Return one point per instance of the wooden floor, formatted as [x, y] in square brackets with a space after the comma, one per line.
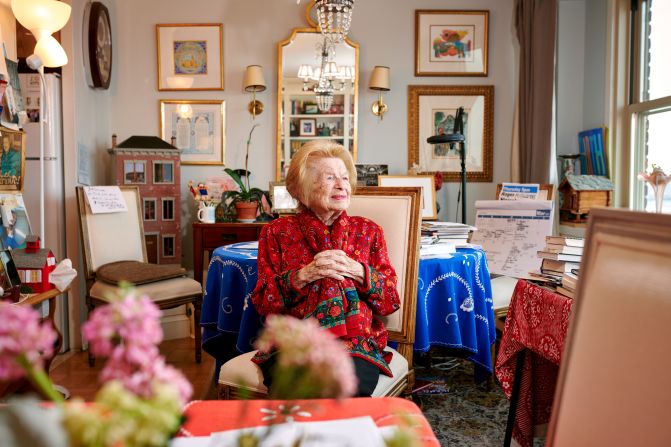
[72, 371]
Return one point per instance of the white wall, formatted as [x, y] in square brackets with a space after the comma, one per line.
[252, 28]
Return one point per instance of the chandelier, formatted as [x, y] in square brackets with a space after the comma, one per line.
[335, 18]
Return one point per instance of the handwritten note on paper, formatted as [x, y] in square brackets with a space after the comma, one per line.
[105, 199]
[511, 233]
[519, 191]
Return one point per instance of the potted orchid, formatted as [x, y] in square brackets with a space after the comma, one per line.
[141, 398]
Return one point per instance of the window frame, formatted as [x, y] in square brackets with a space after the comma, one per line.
[163, 162]
[165, 237]
[135, 164]
[163, 202]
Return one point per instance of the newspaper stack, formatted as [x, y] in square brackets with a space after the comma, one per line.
[442, 238]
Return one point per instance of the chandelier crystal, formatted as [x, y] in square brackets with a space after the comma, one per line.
[335, 18]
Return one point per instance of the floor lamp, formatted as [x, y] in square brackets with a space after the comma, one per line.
[456, 137]
[43, 18]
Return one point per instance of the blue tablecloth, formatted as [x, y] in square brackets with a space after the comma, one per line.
[454, 304]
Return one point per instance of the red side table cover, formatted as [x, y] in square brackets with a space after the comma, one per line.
[206, 417]
[537, 321]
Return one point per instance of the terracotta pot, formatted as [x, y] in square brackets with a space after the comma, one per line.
[246, 211]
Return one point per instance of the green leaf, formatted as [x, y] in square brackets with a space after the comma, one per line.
[236, 178]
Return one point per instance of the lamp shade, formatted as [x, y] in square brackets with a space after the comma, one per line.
[379, 80]
[41, 17]
[253, 80]
[51, 52]
[305, 71]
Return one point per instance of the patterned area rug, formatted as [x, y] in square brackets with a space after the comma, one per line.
[460, 412]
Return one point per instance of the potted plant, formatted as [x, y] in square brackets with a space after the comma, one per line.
[248, 200]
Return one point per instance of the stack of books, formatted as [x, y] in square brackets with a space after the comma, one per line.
[443, 237]
[561, 257]
[569, 282]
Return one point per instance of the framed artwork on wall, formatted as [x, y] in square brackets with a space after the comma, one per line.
[12, 159]
[431, 111]
[367, 174]
[429, 211]
[451, 43]
[198, 129]
[190, 56]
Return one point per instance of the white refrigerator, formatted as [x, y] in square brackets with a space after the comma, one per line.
[54, 202]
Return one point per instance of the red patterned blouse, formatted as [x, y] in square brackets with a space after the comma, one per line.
[346, 308]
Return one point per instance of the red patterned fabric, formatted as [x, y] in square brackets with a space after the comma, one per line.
[206, 417]
[537, 322]
[346, 308]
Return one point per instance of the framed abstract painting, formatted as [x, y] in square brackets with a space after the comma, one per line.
[432, 110]
[190, 56]
[451, 43]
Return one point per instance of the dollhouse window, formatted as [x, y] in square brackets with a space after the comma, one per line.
[168, 243]
[149, 209]
[163, 172]
[134, 171]
[168, 209]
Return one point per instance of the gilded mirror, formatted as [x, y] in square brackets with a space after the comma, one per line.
[303, 114]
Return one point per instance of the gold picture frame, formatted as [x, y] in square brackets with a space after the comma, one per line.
[190, 56]
[451, 43]
[426, 182]
[431, 110]
[198, 129]
[282, 201]
[12, 160]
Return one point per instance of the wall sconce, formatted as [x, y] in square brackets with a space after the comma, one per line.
[379, 81]
[254, 82]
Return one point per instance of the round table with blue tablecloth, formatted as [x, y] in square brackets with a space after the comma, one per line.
[454, 304]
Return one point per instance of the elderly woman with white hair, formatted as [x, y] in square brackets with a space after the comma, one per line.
[322, 263]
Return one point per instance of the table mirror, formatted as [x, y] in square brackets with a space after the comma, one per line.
[317, 92]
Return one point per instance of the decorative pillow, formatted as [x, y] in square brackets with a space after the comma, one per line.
[137, 272]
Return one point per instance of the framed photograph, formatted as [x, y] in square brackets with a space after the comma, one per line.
[14, 223]
[366, 175]
[198, 130]
[9, 276]
[307, 127]
[190, 56]
[431, 111]
[311, 109]
[282, 201]
[451, 43]
[12, 159]
[428, 190]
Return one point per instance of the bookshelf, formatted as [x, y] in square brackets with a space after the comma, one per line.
[301, 118]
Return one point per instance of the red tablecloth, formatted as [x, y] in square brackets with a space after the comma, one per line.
[537, 321]
[206, 417]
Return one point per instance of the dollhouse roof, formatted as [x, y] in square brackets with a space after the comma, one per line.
[37, 260]
[145, 142]
[587, 183]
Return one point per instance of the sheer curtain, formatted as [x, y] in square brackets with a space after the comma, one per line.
[536, 27]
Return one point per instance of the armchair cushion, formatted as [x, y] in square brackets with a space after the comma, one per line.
[158, 291]
[241, 370]
[137, 272]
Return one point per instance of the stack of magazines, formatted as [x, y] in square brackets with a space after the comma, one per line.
[443, 237]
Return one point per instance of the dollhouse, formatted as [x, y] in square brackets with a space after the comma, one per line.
[152, 165]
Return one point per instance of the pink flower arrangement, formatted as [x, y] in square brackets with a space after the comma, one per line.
[127, 332]
[311, 363]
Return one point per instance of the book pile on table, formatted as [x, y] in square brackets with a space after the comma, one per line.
[440, 238]
[561, 262]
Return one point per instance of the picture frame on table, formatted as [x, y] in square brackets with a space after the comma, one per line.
[367, 174]
[9, 275]
[432, 110]
[190, 56]
[198, 129]
[426, 182]
[307, 127]
[282, 201]
[14, 222]
[451, 42]
[12, 160]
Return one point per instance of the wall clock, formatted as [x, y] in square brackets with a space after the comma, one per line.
[97, 41]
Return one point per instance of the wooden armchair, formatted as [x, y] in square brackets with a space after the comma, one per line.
[116, 237]
[398, 212]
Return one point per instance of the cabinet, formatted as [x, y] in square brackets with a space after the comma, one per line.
[302, 121]
[208, 236]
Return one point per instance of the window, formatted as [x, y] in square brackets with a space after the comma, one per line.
[650, 98]
[149, 209]
[163, 172]
[168, 209]
[168, 243]
[133, 171]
